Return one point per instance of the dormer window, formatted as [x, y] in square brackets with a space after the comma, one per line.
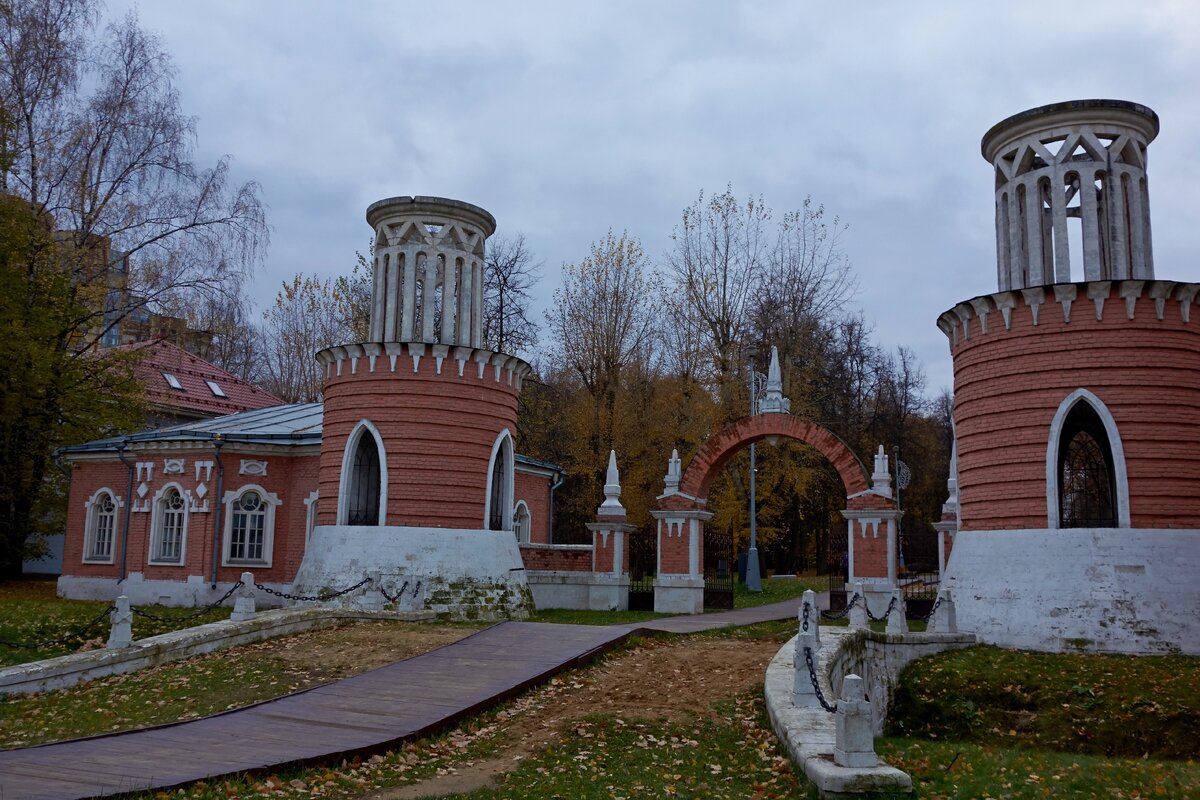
[172, 381]
[216, 389]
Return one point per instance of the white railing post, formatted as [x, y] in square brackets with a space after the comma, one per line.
[245, 600]
[854, 742]
[858, 613]
[896, 622]
[804, 694]
[121, 634]
[809, 602]
[944, 619]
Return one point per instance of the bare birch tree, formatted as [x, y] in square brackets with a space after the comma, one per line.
[509, 273]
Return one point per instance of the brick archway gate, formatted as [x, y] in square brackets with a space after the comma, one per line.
[870, 511]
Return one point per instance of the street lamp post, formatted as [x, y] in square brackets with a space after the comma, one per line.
[753, 578]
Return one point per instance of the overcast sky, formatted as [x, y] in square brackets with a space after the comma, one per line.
[565, 119]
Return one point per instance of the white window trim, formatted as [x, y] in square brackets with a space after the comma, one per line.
[507, 490]
[1114, 442]
[272, 500]
[156, 518]
[89, 525]
[360, 430]
[310, 514]
[523, 537]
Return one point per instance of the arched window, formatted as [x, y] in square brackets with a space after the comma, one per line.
[1086, 484]
[498, 512]
[521, 521]
[249, 526]
[363, 498]
[1087, 496]
[169, 526]
[101, 527]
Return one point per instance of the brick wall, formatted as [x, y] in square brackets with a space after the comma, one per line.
[291, 478]
[438, 431]
[562, 558]
[535, 491]
[1009, 384]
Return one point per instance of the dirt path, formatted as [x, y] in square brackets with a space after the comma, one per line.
[659, 680]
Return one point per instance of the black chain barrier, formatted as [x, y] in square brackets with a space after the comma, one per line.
[932, 610]
[842, 614]
[812, 674]
[393, 598]
[75, 634]
[886, 614]
[192, 615]
[318, 598]
[804, 619]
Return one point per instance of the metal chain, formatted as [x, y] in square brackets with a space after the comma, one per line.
[393, 598]
[62, 639]
[183, 617]
[842, 614]
[886, 614]
[804, 619]
[310, 598]
[812, 674]
[932, 610]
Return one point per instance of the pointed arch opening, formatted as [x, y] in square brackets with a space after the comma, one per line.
[498, 507]
[362, 499]
[1086, 483]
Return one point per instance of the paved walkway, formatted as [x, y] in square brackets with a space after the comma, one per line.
[365, 714]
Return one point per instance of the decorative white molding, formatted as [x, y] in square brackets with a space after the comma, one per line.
[173, 466]
[201, 490]
[250, 466]
[272, 501]
[1097, 292]
[502, 447]
[1034, 299]
[145, 468]
[1120, 477]
[156, 521]
[206, 467]
[1065, 294]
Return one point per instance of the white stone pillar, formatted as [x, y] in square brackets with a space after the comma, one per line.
[121, 633]
[896, 622]
[428, 294]
[944, 619]
[465, 321]
[244, 602]
[1058, 216]
[808, 610]
[858, 612]
[409, 291]
[804, 694]
[449, 304]
[854, 742]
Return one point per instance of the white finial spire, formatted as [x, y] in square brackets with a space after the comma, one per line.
[674, 474]
[612, 488]
[773, 401]
[881, 480]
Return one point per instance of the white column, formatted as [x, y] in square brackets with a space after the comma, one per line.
[465, 304]
[429, 292]
[1016, 258]
[1033, 232]
[477, 302]
[378, 301]
[391, 287]
[409, 289]
[449, 306]
[1089, 208]
[1119, 268]
[1058, 214]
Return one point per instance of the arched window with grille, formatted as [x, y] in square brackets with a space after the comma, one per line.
[1085, 467]
[498, 515]
[169, 526]
[249, 526]
[363, 496]
[100, 527]
[521, 520]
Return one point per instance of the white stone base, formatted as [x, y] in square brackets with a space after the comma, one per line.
[1122, 590]
[578, 590]
[192, 592]
[679, 594]
[463, 574]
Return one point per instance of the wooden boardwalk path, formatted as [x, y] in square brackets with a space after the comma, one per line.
[368, 713]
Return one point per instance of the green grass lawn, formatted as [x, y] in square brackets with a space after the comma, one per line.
[30, 613]
[775, 590]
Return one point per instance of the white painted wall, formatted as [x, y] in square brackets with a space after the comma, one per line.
[1124, 590]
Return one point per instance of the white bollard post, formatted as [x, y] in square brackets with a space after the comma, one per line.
[804, 694]
[809, 603]
[896, 622]
[854, 745]
[858, 614]
[244, 601]
[121, 634]
[944, 619]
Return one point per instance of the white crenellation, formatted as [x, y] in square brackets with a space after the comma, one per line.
[955, 323]
[506, 369]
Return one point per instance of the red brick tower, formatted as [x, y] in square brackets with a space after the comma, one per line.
[417, 441]
[1077, 399]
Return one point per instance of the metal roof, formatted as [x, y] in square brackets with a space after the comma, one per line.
[296, 424]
